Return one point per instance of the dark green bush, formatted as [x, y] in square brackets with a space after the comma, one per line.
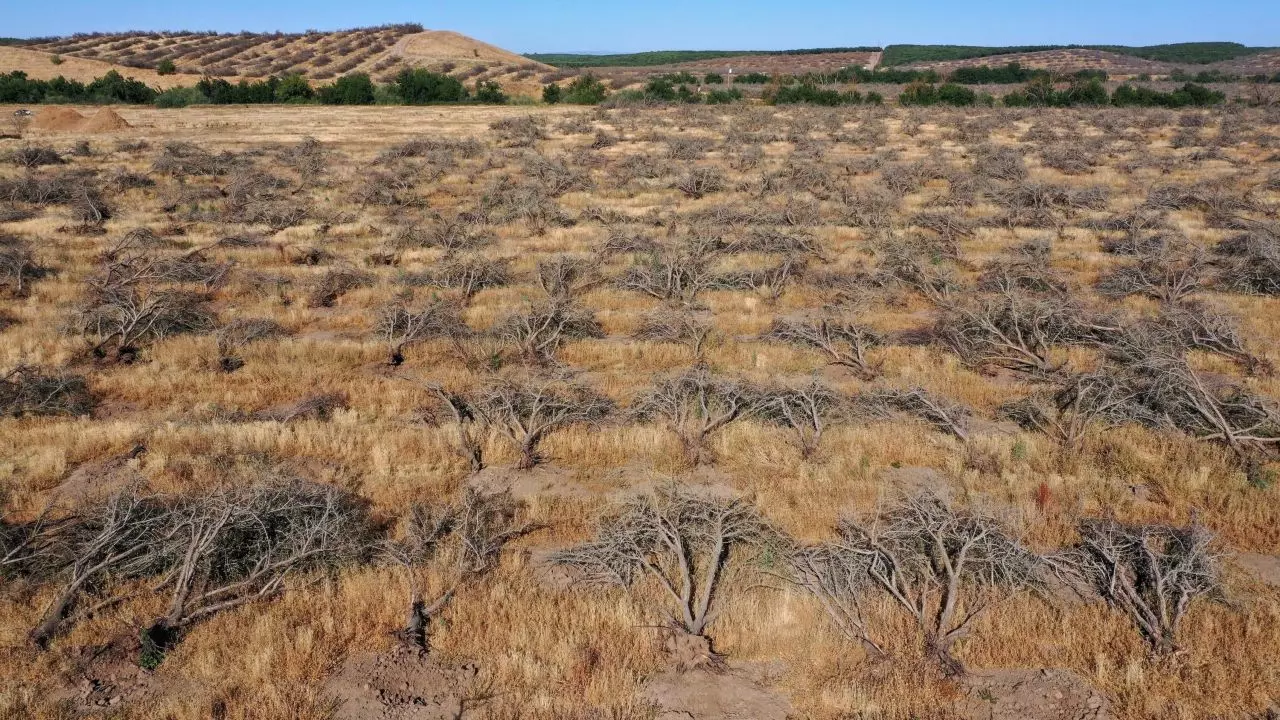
[551, 94]
[490, 93]
[753, 78]
[180, 97]
[713, 79]
[586, 90]
[353, 89]
[419, 86]
[166, 67]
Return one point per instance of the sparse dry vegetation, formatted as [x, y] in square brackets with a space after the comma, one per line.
[881, 398]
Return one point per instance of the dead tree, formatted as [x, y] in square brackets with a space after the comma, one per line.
[1169, 274]
[538, 332]
[335, 283]
[1011, 330]
[18, 266]
[31, 391]
[233, 547]
[111, 542]
[528, 410]
[1152, 573]
[469, 425]
[1201, 327]
[805, 410]
[918, 263]
[466, 274]
[563, 277]
[675, 272]
[838, 574]
[843, 341]
[237, 334]
[940, 565]
[125, 319]
[682, 540]
[695, 405]
[402, 327]
[944, 415]
[33, 549]
[700, 182]
[461, 542]
[1075, 404]
[694, 330]
[1250, 262]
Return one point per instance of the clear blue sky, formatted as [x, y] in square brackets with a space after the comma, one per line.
[581, 25]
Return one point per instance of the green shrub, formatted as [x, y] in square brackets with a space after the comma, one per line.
[753, 78]
[490, 93]
[660, 89]
[551, 94]
[713, 79]
[293, 88]
[180, 97]
[353, 89]
[586, 90]
[419, 86]
[723, 97]
[55, 59]
[166, 67]
[957, 95]
[813, 95]
[113, 87]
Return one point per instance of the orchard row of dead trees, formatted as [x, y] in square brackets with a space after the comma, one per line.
[211, 551]
[939, 565]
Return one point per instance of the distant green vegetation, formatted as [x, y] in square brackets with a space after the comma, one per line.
[1186, 53]
[12, 41]
[667, 57]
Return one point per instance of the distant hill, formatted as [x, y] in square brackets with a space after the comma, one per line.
[1202, 53]
[380, 51]
[672, 57]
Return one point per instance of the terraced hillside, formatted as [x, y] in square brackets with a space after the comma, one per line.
[1060, 61]
[380, 51]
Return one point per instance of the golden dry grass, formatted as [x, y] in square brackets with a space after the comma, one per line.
[554, 653]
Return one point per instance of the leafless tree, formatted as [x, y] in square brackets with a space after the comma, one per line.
[677, 271]
[127, 318]
[845, 342]
[469, 424]
[918, 263]
[468, 274]
[695, 330]
[34, 548]
[32, 391]
[695, 405]
[1170, 274]
[529, 409]
[401, 326]
[771, 281]
[232, 547]
[540, 330]
[943, 414]
[1070, 408]
[1014, 330]
[1152, 573]
[1199, 326]
[1168, 391]
[563, 276]
[112, 541]
[838, 574]
[461, 541]
[700, 182]
[18, 266]
[334, 284]
[941, 565]
[1250, 262]
[775, 241]
[806, 410]
[682, 540]
[241, 332]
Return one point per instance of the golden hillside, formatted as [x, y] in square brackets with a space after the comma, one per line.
[382, 52]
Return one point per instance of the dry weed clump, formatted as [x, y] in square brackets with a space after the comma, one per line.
[270, 403]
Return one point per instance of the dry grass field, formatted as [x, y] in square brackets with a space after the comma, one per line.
[1033, 319]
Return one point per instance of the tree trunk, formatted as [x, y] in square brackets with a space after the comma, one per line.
[52, 619]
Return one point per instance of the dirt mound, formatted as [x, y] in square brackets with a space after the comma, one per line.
[402, 684]
[703, 695]
[1022, 694]
[107, 120]
[58, 119]
[97, 479]
[108, 676]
